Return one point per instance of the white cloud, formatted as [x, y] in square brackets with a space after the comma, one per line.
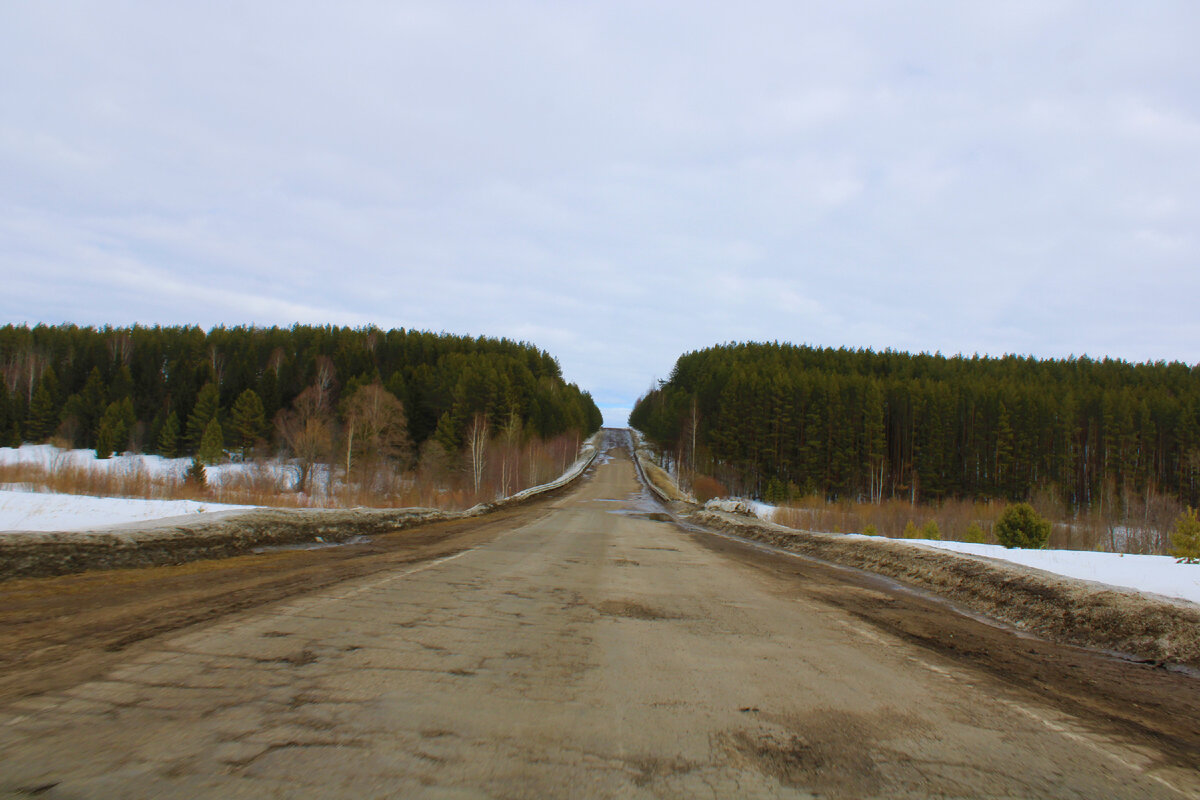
[617, 183]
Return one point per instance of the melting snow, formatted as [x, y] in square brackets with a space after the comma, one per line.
[37, 511]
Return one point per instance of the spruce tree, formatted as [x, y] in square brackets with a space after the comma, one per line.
[249, 423]
[168, 438]
[204, 411]
[212, 444]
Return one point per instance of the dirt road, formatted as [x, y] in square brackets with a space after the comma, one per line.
[583, 647]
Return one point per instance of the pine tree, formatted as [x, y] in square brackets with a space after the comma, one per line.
[196, 474]
[122, 384]
[43, 417]
[6, 418]
[115, 426]
[1021, 526]
[168, 438]
[93, 401]
[1185, 538]
[212, 444]
[205, 410]
[248, 420]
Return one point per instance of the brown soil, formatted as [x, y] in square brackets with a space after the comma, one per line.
[1143, 700]
[55, 632]
[1063, 609]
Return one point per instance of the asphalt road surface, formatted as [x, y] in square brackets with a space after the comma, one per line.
[584, 647]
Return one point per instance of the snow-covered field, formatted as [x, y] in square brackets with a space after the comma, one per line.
[31, 510]
[1150, 574]
[51, 458]
[37, 511]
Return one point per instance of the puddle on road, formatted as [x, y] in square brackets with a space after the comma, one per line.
[653, 516]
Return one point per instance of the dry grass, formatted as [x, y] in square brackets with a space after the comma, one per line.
[265, 483]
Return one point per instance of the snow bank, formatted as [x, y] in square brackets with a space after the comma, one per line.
[1158, 575]
[50, 458]
[35, 511]
[739, 505]
[1147, 574]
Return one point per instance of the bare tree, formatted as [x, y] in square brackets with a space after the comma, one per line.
[120, 347]
[326, 378]
[307, 430]
[276, 360]
[477, 439]
[376, 433]
[218, 364]
[510, 464]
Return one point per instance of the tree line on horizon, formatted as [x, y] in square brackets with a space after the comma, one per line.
[180, 391]
[778, 421]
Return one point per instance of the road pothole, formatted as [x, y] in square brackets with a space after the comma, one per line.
[626, 608]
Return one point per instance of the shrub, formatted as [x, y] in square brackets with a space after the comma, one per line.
[1021, 526]
[974, 534]
[196, 474]
[910, 531]
[705, 488]
[1185, 538]
[870, 530]
[930, 530]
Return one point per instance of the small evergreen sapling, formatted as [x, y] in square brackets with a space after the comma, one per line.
[930, 530]
[196, 474]
[1185, 538]
[910, 531]
[974, 534]
[1021, 526]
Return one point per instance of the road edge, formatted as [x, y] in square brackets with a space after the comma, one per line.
[1054, 607]
[231, 533]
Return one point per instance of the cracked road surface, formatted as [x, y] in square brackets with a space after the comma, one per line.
[586, 649]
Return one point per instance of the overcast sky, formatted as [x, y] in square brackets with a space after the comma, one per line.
[616, 182]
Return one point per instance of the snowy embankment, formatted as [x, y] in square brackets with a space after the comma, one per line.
[1157, 575]
[43, 511]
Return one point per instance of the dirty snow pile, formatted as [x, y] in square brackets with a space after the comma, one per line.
[743, 506]
[1150, 574]
[38, 511]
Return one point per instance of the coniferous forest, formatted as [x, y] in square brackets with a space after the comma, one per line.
[175, 390]
[777, 421]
